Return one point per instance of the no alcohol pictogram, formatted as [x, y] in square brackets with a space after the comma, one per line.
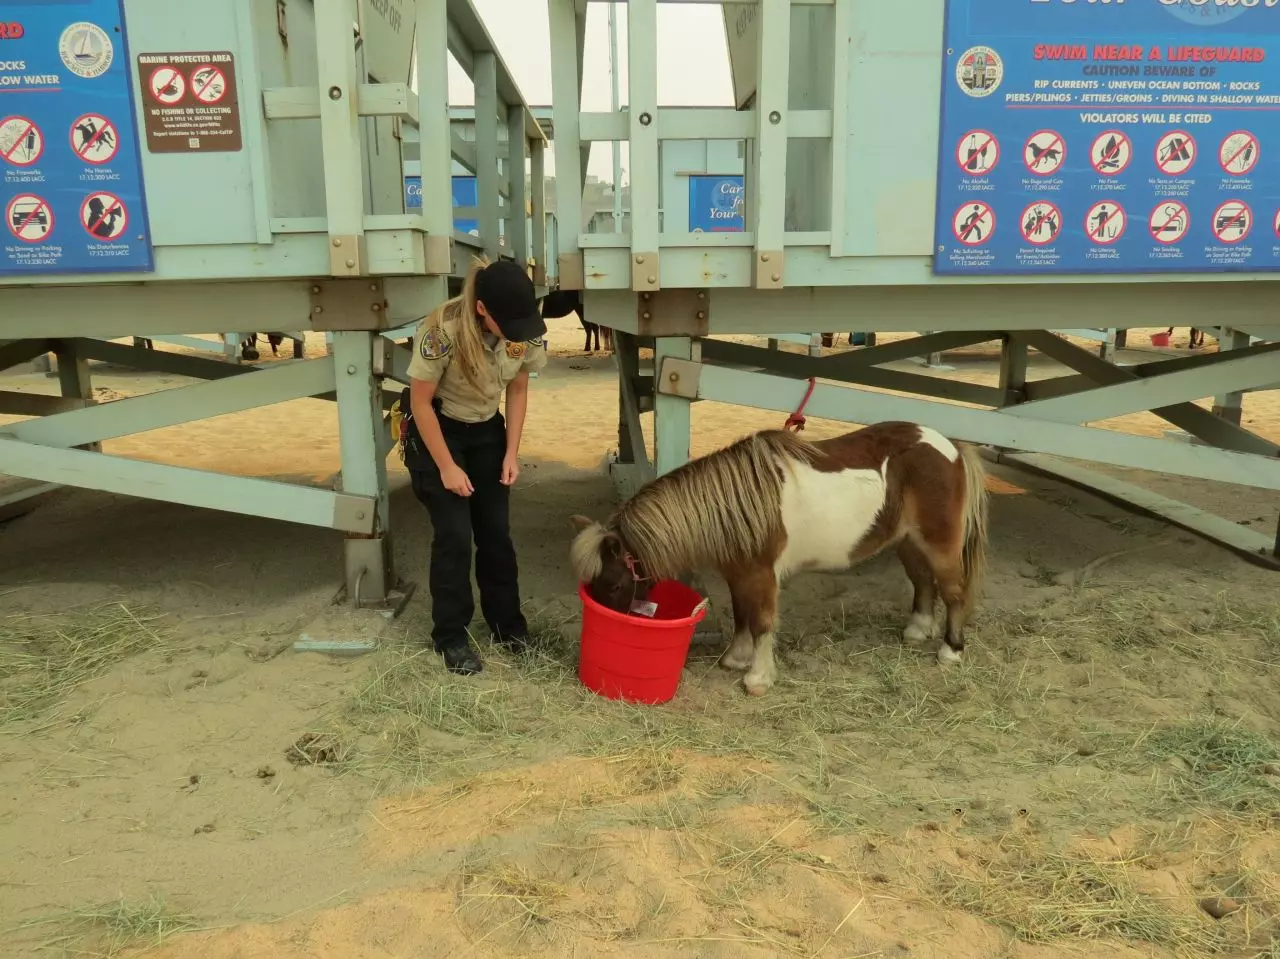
[1169, 222]
[1232, 221]
[1045, 152]
[95, 139]
[978, 152]
[29, 218]
[208, 84]
[1105, 222]
[1175, 153]
[1041, 223]
[21, 142]
[1239, 153]
[1111, 152]
[167, 85]
[104, 216]
[974, 223]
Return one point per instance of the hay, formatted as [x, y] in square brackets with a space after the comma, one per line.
[114, 927]
[1218, 767]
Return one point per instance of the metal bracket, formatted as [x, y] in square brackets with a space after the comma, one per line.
[438, 253]
[347, 255]
[675, 312]
[348, 305]
[769, 269]
[572, 271]
[679, 377]
[355, 514]
[645, 274]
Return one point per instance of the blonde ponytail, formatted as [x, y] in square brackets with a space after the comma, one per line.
[467, 333]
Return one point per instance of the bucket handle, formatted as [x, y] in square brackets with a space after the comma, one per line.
[700, 607]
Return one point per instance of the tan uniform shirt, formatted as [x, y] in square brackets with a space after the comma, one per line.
[433, 353]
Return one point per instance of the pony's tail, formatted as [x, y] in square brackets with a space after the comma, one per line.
[974, 554]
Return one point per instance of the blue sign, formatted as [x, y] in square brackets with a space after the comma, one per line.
[70, 170]
[716, 204]
[1123, 137]
[413, 193]
[464, 194]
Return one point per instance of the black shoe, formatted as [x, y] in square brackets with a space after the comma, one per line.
[460, 658]
[512, 642]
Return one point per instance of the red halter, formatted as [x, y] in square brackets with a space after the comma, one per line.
[795, 421]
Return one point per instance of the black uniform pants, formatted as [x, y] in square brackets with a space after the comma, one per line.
[479, 449]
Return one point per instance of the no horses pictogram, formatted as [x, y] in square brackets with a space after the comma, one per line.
[95, 139]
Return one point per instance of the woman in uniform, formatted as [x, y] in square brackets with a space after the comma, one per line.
[463, 456]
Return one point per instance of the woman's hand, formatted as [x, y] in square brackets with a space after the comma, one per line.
[510, 469]
[456, 481]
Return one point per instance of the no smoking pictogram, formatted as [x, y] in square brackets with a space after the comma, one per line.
[1105, 222]
[208, 84]
[1232, 221]
[29, 218]
[1111, 152]
[95, 138]
[167, 85]
[978, 152]
[1239, 153]
[974, 223]
[1045, 152]
[1169, 222]
[21, 142]
[1175, 153]
[104, 216]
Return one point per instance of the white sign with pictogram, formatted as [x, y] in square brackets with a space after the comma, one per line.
[104, 216]
[1232, 221]
[168, 85]
[1105, 222]
[974, 223]
[1041, 223]
[1169, 222]
[95, 139]
[978, 152]
[29, 218]
[1175, 153]
[1045, 152]
[1239, 153]
[208, 84]
[21, 142]
[1111, 152]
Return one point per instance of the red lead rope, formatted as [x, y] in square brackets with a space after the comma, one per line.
[796, 420]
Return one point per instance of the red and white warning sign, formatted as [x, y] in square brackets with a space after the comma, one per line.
[1105, 222]
[978, 152]
[1232, 221]
[1239, 153]
[1277, 223]
[104, 216]
[1041, 223]
[1175, 153]
[974, 223]
[1169, 222]
[21, 142]
[208, 83]
[1111, 152]
[167, 85]
[29, 218]
[1045, 152]
[95, 139]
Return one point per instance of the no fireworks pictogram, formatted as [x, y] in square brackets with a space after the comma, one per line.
[1232, 221]
[1111, 152]
[95, 139]
[208, 84]
[1175, 153]
[1239, 152]
[1041, 223]
[104, 217]
[974, 223]
[1045, 152]
[167, 85]
[1105, 222]
[978, 152]
[29, 218]
[1169, 222]
[21, 142]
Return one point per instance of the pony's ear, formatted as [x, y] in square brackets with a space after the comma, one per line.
[580, 522]
[612, 544]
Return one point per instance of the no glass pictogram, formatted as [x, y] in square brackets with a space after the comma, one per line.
[21, 142]
[978, 152]
[29, 218]
[1232, 221]
[208, 84]
[167, 85]
[1175, 153]
[1111, 152]
[1239, 153]
[1041, 223]
[95, 139]
[1045, 152]
[974, 223]
[104, 216]
[1105, 222]
[1169, 222]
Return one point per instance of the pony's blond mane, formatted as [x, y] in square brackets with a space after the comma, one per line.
[584, 553]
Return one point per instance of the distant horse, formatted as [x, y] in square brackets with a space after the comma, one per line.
[772, 504]
[560, 303]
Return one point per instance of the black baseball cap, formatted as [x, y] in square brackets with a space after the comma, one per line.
[507, 294]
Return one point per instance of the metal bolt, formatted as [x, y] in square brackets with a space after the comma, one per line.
[646, 314]
[315, 289]
[645, 119]
[337, 241]
[373, 287]
[335, 93]
[351, 264]
[702, 315]
[652, 280]
[764, 257]
[318, 309]
[777, 278]
[674, 377]
[645, 295]
[377, 307]
[775, 117]
[360, 515]
[351, 370]
[639, 259]
[702, 295]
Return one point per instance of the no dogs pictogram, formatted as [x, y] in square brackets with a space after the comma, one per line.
[1175, 153]
[1045, 152]
[978, 152]
[1239, 153]
[95, 139]
[104, 216]
[974, 223]
[1111, 152]
[1041, 223]
[167, 85]
[1105, 222]
[208, 84]
[29, 218]
[21, 142]
[1232, 221]
[1169, 222]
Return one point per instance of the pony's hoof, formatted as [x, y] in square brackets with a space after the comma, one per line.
[915, 633]
[733, 665]
[757, 685]
[948, 656]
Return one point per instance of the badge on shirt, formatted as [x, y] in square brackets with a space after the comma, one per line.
[515, 350]
[435, 344]
[536, 341]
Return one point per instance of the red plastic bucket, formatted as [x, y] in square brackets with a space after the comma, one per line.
[635, 658]
[1159, 339]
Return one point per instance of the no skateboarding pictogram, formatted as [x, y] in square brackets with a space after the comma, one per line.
[1239, 153]
[1232, 221]
[978, 152]
[1111, 152]
[1045, 152]
[1105, 222]
[208, 84]
[29, 218]
[974, 223]
[1169, 222]
[95, 139]
[104, 216]
[1041, 223]
[167, 85]
[1176, 153]
[21, 142]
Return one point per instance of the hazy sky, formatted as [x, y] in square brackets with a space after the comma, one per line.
[693, 62]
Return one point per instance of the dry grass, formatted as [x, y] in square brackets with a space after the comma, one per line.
[1218, 767]
[108, 929]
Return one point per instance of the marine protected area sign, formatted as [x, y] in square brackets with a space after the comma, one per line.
[716, 204]
[70, 175]
[1165, 113]
[190, 102]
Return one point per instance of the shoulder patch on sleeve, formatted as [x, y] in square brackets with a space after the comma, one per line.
[435, 344]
